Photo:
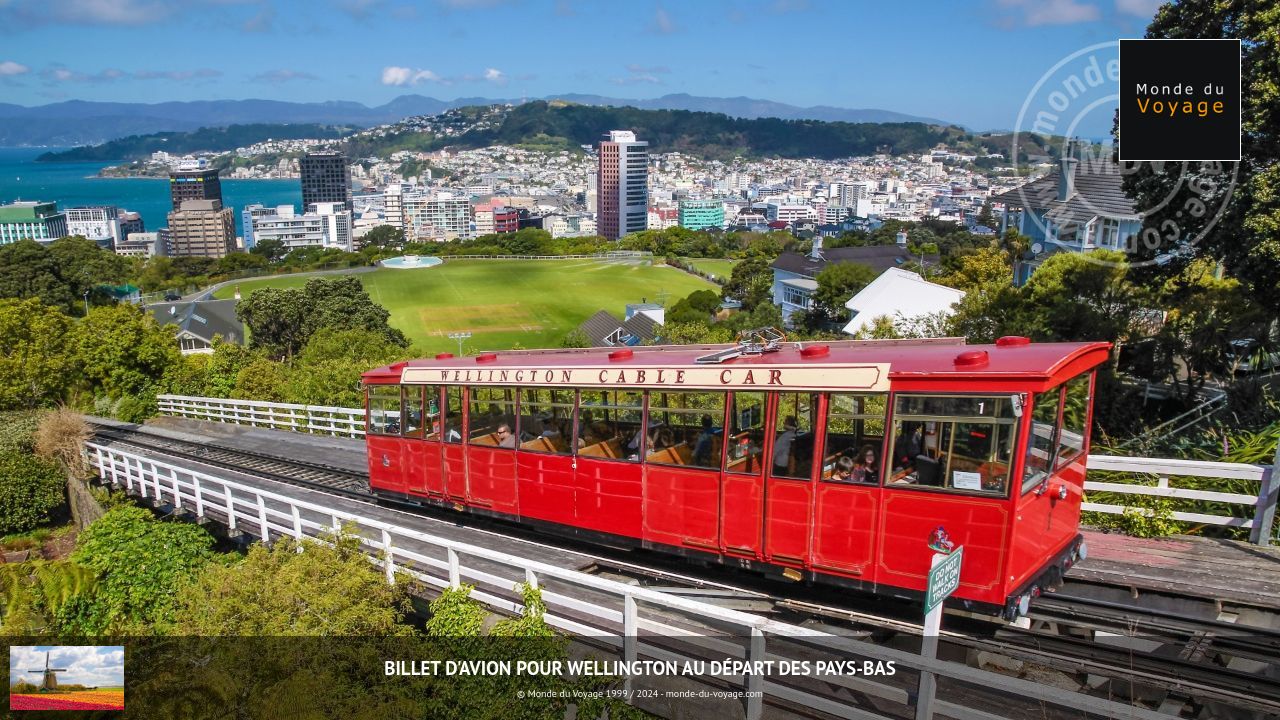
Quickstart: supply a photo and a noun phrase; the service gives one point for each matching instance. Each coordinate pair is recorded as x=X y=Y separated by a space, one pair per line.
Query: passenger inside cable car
x=954 y=442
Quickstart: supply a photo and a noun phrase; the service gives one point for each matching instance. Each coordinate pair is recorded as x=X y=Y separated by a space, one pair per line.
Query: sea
x=73 y=184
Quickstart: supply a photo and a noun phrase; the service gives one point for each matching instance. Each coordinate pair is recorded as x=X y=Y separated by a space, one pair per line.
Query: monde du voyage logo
x=1180 y=100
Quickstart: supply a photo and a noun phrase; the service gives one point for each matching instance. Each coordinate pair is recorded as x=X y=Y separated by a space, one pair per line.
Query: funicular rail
x=636 y=621
x=1064 y=654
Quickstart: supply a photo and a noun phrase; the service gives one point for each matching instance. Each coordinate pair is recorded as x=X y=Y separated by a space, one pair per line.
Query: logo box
x=1180 y=100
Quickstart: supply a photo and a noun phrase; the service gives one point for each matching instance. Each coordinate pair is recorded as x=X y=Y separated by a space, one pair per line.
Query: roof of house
x=202 y=319
x=600 y=327
x=1098 y=191
x=876 y=257
x=899 y=293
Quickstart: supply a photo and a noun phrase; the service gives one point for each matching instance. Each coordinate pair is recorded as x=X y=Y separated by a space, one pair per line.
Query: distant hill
x=707 y=135
x=79 y=122
x=220 y=139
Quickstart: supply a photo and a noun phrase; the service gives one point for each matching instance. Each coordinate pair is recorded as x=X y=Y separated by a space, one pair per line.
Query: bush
x=17 y=430
x=30 y=489
x=23 y=688
x=134 y=409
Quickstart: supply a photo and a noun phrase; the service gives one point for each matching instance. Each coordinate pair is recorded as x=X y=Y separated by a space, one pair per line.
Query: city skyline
x=902 y=58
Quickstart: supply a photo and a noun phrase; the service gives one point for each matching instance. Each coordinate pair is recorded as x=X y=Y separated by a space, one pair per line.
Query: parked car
x=1250 y=356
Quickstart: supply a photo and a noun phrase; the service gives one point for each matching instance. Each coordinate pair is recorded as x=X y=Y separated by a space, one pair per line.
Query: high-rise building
x=436 y=217
x=699 y=214
x=623 y=186
x=249 y=214
x=194 y=184
x=202 y=228
x=325 y=179
x=26 y=220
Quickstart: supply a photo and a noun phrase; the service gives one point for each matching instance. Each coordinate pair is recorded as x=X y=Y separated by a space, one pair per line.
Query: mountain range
x=81 y=122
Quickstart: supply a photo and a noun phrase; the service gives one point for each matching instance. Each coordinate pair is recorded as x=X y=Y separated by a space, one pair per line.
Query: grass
x=712 y=266
x=533 y=303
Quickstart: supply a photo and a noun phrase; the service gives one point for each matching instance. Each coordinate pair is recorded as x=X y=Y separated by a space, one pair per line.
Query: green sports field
x=713 y=266
x=504 y=302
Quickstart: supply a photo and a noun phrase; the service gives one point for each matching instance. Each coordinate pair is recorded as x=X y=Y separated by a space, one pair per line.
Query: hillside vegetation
x=216 y=139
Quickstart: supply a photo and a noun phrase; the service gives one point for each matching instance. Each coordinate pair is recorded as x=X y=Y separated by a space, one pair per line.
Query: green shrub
x=30 y=490
x=134 y=409
x=23 y=688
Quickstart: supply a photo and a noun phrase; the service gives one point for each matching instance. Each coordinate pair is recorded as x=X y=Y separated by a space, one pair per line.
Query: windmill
x=50 y=675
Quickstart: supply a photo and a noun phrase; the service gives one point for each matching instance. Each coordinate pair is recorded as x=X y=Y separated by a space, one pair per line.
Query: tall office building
x=325 y=179
x=99 y=223
x=27 y=220
x=194 y=184
x=202 y=228
x=623 y=185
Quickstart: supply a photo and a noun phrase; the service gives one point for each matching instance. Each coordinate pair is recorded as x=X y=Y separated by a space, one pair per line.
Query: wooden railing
x=315 y=419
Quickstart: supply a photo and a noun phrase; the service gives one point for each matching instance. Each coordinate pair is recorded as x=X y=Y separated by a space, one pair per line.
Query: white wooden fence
x=315 y=419
x=638 y=622
x=350 y=422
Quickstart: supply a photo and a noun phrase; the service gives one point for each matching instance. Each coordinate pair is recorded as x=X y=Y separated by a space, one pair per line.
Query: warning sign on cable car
x=944 y=578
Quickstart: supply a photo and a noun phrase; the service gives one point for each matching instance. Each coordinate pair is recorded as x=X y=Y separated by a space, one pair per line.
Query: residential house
x=199 y=322
x=605 y=330
x=795 y=275
x=1078 y=208
x=901 y=295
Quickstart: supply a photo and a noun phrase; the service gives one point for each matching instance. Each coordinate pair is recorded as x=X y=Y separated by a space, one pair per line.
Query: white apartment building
x=483 y=220
x=436 y=217
x=789 y=212
x=145 y=244
x=327 y=225
x=99 y=223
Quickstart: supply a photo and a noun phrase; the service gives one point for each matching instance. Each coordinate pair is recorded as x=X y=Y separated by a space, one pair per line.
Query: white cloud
x=88 y=12
x=394 y=75
x=85 y=665
x=662 y=22
x=9 y=68
x=1050 y=12
x=495 y=75
x=1140 y=8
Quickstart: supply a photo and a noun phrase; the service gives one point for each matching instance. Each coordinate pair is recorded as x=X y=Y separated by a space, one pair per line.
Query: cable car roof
x=825 y=365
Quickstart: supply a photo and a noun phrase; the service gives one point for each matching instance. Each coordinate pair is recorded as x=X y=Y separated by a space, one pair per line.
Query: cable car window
x=1043 y=440
x=384 y=409
x=746 y=433
x=1075 y=413
x=957 y=443
x=686 y=428
x=609 y=425
x=793 y=435
x=855 y=434
x=492 y=417
x=546 y=421
x=431 y=409
x=453 y=414
x=412 y=411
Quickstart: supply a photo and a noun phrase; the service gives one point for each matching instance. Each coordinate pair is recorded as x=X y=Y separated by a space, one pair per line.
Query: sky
x=969 y=61
x=85 y=665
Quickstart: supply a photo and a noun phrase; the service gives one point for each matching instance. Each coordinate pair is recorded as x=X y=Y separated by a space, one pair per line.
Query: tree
x=141 y=564
x=985 y=267
x=239 y=262
x=29 y=270
x=987 y=217
x=837 y=283
x=750 y=283
x=328 y=589
x=1082 y=296
x=282 y=321
x=1246 y=235
x=37 y=358
x=85 y=265
x=274 y=250
x=383 y=236
x=575 y=338
x=223 y=368
x=124 y=351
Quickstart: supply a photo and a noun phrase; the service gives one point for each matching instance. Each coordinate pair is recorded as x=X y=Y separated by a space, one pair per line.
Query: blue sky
x=85 y=665
x=971 y=61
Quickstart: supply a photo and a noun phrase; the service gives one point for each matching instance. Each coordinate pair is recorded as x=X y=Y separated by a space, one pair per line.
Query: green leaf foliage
x=124 y=351
x=30 y=489
x=141 y=564
x=327 y=589
x=283 y=321
x=37 y=355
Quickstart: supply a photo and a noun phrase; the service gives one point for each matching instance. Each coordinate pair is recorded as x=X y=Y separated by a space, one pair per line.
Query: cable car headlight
x=1024 y=604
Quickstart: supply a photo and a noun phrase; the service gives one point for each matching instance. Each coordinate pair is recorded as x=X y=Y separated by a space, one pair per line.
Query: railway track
x=1190 y=659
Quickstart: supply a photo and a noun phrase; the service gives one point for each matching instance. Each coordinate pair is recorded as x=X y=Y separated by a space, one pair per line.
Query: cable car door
x=847 y=494
x=789 y=476
x=454 y=453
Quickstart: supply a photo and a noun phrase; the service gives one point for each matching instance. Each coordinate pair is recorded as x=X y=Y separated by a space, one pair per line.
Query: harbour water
x=71 y=184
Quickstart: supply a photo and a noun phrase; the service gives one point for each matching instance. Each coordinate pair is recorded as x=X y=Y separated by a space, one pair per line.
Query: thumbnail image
x=66 y=677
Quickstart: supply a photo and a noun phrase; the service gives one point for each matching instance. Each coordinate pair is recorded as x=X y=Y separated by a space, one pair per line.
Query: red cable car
x=848 y=463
